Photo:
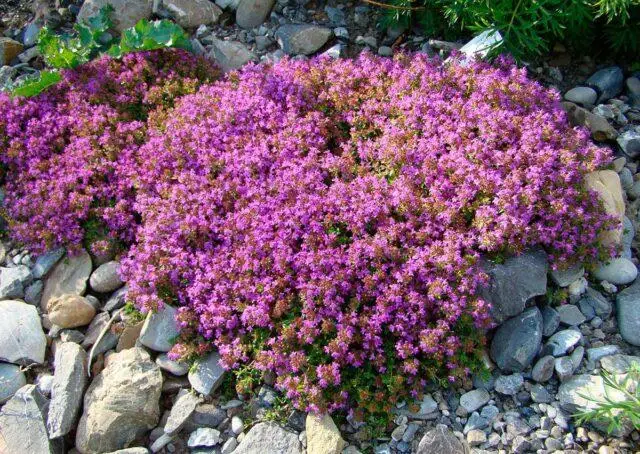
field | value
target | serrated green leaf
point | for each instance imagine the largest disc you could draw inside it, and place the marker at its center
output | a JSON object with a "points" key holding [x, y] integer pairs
{"points": [[35, 85]]}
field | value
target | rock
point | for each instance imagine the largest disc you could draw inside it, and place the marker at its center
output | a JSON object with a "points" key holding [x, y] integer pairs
{"points": [[129, 337], [22, 424], [607, 82], [46, 261], [69, 276], [480, 45], [174, 367], [302, 39], [69, 381], [13, 280], [571, 392], [618, 364], [597, 353], [514, 283], [181, 411], [385, 51], [22, 340], [70, 311], [323, 437], [593, 304], [9, 49], [126, 12], [550, 321], [563, 367], [440, 440], [576, 357], [539, 394], [230, 55], [160, 329], [251, 13], [543, 369], [628, 313], [206, 374], [108, 341], [600, 128], [206, 415], [561, 342], [629, 142], [581, 95], [229, 446], [11, 380], [619, 271], [237, 426], [606, 183], [131, 451], [106, 278], [269, 438], [231, 5], [192, 13], [426, 411], [33, 293], [121, 403], [517, 341], [509, 385], [205, 436], [564, 277], [117, 300], [474, 399], [570, 315], [476, 437]]}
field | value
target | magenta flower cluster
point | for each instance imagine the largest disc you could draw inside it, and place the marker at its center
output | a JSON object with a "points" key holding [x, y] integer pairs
{"points": [[320, 220]]}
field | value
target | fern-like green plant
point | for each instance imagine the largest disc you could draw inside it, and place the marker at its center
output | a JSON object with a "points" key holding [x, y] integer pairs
{"points": [[616, 412]]}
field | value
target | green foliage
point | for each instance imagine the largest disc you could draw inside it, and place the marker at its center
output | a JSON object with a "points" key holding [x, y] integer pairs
{"points": [[279, 411], [616, 412], [35, 84], [147, 35], [132, 313], [528, 28]]}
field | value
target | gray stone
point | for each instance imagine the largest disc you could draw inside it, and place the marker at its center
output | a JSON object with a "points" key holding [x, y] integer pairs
{"points": [[160, 329], [205, 436], [205, 415], [629, 142], [69, 381], [440, 440], [69, 276], [597, 353], [33, 293], [108, 341], [426, 411], [514, 283], [117, 300], [626, 178], [576, 357], [593, 304], [269, 438], [517, 341], [509, 385], [22, 424], [121, 404], [561, 342], [13, 280], [174, 367], [474, 399], [181, 411], [46, 261], [628, 313], [192, 13], [564, 277], [475, 421], [539, 394], [619, 271], [563, 367], [160, 442], [251, 13], [230, 55], [229, 446], [22, 340], [11, 380], [570, 315], [336, 16], [302, 39], [131, 451], [126, 12], [106, 278], [618, 364], [30, 34], [550, 321], [581, 95], [206, 374], [607, 82]]}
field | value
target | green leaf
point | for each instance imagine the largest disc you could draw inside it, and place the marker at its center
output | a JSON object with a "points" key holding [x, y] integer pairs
{"points": [[36, 84]]}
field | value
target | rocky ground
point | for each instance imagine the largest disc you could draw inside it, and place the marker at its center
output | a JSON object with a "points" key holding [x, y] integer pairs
{"points": [[80, 372]]}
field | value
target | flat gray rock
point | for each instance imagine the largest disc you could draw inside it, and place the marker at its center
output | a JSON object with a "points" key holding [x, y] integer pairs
{"points": [[230, 55], [561, 342], [581, 95], [106, 278], [629, 142], [192, 13], [69, 381], [173, 367], [593, 304], [474, 399], [22, 424], [46, 261], [550, 320], [269, 438], [570, 315], [117, 300], [628, 313], [302, 39], [517, 341], [206, 374], [22, 340], [13, 281], [160, 329], [11, 380], [126, 12], [564, 277], [251, 13], [514, 283], [543, 369], [181, 411], [440, 440], [607, 82], [69, 276], [107, 342], [618, 271]]}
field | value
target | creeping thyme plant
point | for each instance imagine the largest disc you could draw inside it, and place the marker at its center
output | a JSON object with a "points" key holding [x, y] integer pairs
{"points": [[320, 221]]}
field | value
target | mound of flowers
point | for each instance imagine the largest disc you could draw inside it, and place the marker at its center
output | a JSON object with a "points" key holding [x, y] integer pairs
{"points": [[321, 220]]}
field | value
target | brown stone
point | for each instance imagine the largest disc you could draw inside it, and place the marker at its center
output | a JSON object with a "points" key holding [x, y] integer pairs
{"points": [[606, 183], [70, 311], [9, 49]]}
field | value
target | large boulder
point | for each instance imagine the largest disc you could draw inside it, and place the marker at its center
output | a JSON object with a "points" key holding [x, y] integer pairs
{"points": [[251, 13], [323, 437], [22, 340], [514, 283], [69, 381], [606, 184], [22, 424], [126, 12], [193, 13], [69, 276], [70, 311], [628, 312], [121, 404], [269, 438], [440, 440], [517, 341]]}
